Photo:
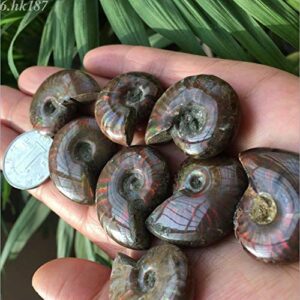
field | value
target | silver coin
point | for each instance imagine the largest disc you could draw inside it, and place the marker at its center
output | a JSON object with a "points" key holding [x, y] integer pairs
{"points": [[25, 164]]}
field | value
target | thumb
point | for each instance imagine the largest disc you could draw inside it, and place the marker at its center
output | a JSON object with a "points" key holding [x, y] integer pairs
{"points": [[71, 278]]}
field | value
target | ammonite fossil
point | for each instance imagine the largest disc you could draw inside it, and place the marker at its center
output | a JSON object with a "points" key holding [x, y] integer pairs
{"points": [[201, 209], [162, 273], [267, 217], [77, 155], [200, 113], [125, 103], [130, 186], [56, 101]]}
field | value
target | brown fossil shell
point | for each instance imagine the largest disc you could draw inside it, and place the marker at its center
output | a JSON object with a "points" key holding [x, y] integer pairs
{"points": [[267, 217], [201, 209], [125, 103], [77, 155], [58, 99], [130, 186], [200, 113], [161, 273]]}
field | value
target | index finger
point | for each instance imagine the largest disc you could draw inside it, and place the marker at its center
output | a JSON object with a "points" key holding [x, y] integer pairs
{"points": [[267, 94]]}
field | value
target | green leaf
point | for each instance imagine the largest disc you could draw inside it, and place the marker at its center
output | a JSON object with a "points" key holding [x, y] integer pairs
{"points": [[158, 41], [47, 40], [246, 30], [295, 4], [64, 239], [5, 192], [218, 39], [30, 219], [86, 25], [27, 19], [102, 257], [164, 18], [10, 20], [125, 22], [275, 15], [64, 41], [294, 59], [84, 247]]}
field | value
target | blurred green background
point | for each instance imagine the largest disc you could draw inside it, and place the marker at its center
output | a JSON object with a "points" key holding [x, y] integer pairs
{"points": [[60, 32]]}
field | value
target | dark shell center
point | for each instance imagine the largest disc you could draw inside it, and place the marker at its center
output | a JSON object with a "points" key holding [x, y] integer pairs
{"points": [[147, 281], [195, 182], [83, 151], [263, 210], [49, 108], [132, 183], [133, 95], [191, 120]]}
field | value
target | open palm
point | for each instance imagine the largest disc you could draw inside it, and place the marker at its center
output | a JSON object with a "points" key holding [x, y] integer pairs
{"points": [[270, 118]]}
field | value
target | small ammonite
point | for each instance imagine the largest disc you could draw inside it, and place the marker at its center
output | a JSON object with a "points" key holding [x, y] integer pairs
{"points": [[267, 217], [77, 155], [130, 186], [58, 98], [200, 113], [125, 104], [201, 209], [162, 273]]}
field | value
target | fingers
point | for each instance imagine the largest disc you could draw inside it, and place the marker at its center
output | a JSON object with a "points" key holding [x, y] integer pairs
{"points": [[15, 109], [245, 277], [31, 78], [7, 136], [83, 218], [170, 66], [71, 278], [267, 94]]}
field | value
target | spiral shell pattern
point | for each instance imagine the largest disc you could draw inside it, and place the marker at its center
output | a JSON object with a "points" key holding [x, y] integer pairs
{"points": [[77, 155], [130, 186], [161, 273], [57, 100], [200, 113], [201, 209], [267, 217], [125, 103]]}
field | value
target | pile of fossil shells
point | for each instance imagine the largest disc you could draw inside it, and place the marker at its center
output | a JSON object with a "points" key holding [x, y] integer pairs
{"points": [[92, 161]]}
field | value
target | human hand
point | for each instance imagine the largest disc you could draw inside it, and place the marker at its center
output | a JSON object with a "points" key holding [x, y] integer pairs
{"points": [[270, 118]]}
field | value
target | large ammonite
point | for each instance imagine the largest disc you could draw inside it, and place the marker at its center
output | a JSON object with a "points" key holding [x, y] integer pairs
{"points": [[130, 186], [162, 273], [78, 154], [200, 113], [124, 105], [58, 99], [267, 217], [201, 209]]}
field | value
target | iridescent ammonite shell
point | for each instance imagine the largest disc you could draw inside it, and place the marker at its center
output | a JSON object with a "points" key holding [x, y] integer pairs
{"points": [[126, 103], [200, 113], [162, 273], [130, 186], [58, 98], [77, 155], [201, 209], [267, 217]]}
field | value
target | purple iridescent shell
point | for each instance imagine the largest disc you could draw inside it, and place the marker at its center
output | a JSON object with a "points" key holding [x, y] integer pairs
{"points": [[77, 155], [125, 104], [162, 273], [130, 186], [200, 113], [201, 209], [57, 100], [267, 217]]}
